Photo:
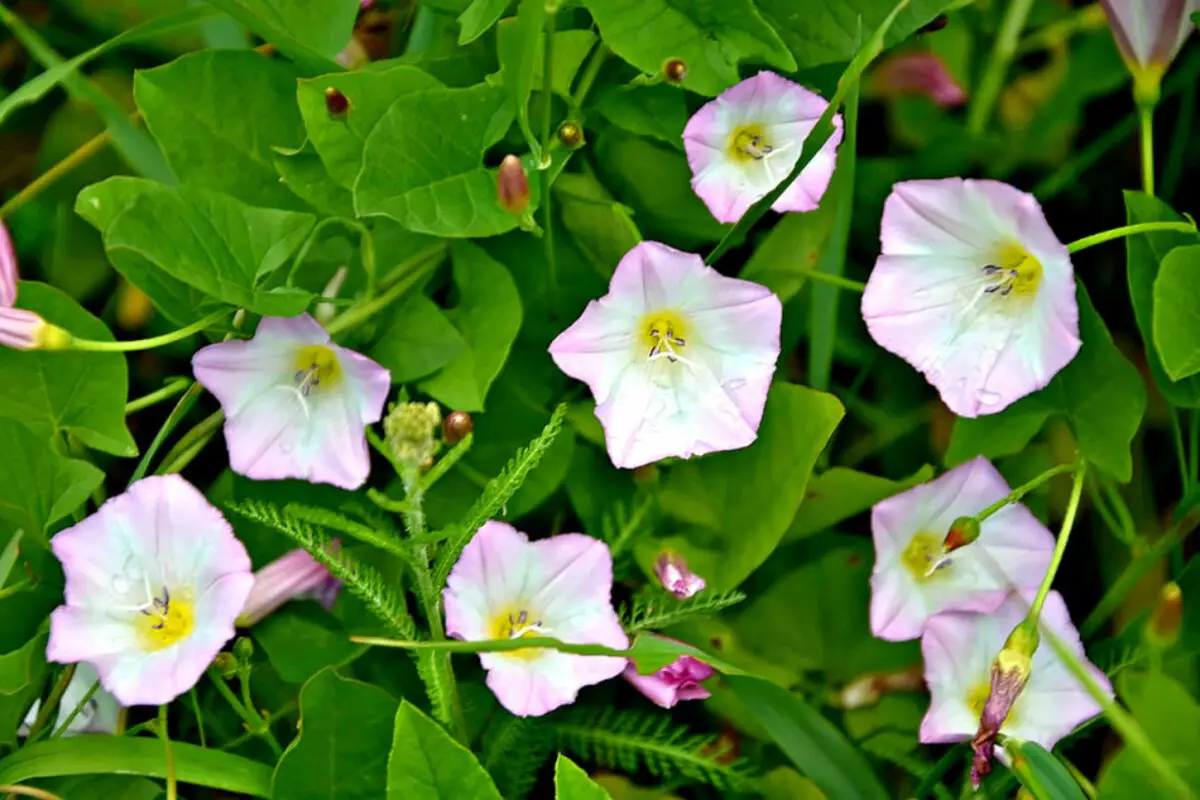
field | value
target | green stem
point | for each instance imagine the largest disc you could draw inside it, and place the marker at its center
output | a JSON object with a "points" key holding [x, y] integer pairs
{"points": [[544, 167], [413, 271], [382, 448], [1180, 452], [495, 645], [1146, 117], [66, 723], [190, 444], [16, 588], [590, 73], [148, 344], [1003, 50], [1194, 445], [446, 462], [1022, 490], [46, 712], [172, 788], [366, 245], [254, 721], [47, 178], [199, 716], [177, 414], [833, 280], [166, 393], [1060, 547], [1128, 230]]}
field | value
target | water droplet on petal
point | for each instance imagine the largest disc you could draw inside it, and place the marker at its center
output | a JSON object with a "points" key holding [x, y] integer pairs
{"points": [[987, 398], [120, 584]]}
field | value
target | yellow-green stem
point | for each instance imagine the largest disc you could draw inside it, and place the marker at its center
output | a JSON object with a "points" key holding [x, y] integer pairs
{"points": [[1060, 547], [1016, 494], [544, 167], [1003, 50], [1146, 117], [172, 787], [82, 154], [1128, 230], [48, 709], [413, 272], [66, 723], [148, 344], [166, 393]]}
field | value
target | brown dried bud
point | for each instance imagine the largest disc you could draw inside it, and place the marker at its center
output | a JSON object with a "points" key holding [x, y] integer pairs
{"points": [[963, 531], [675, 70], [1010, 673], [336, 103], [1162, 629], [512, 187], [456, 426], [570, 134]]}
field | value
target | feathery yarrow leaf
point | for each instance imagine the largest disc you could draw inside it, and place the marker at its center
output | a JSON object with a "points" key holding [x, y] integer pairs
{"points": [[514, 749], [656, 608]]}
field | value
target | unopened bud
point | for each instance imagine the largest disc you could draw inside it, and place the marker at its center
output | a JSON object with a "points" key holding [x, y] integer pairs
{"points": [[675, 70], [336, 103], [672, 572], [1010, 673], [243, 650], [1162, 629], [410, 429], [963, 531], [512, 187], [26, 330], [570, 134], [456, 427], [227, 664]]}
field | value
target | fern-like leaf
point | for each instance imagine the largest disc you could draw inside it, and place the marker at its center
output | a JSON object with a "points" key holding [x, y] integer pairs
{"points": [[343, 524], [631, 740], [360, 579], [514, 749], [499, 490], [657, 609]]}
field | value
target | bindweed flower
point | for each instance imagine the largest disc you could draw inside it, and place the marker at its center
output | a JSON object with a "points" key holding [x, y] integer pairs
{"points": [[97, 715], [915, 578], [678, 357], [21, 329], [917, 73], [295, 403], [507, 587], [154, 581], [960, 652], [1149, 34], [680, 680], [672, 571], [295, 574], [974, 290], [742, 144]]}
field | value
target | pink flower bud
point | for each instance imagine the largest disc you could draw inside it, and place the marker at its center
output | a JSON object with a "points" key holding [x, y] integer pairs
{"points": [[680, 680], [672, 571], [1149, 32], [917, 73], [25, 330], [8, 270], [293, 575], [512, 187]]}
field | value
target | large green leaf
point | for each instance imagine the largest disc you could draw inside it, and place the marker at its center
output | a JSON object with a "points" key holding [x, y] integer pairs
{"points": [[427, 764], [602, 227], [199, 109], [792, 248], [1100, 394], [422, 164], [56, 392], [659, 111], [841, 493], [711, 37], [186, 248], [1170, 717], [812, 743], [418, 341], [342, 749], [1177, 312], [305, 174], [740, 503], [488, 316], [517, 46], [100, 755], [309, 33], [572, 783], [479, 17], [38, 487], [1144, 255], [827, 32], [301, 639], [21, 675]]}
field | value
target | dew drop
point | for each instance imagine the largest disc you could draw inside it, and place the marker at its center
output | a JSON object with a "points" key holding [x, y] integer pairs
{"points": [[120, 584], [987, 398]]}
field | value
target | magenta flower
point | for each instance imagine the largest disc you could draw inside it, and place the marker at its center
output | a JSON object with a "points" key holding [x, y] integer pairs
{"points": [[295, 403], [913, 580], [974, 290], [19, 329], [680, 680], [918, 73], [678, 357], [295, 574], [155, 579], [742, 144], [507, 587], [959, 649], [672, 571], [1149, 33]]}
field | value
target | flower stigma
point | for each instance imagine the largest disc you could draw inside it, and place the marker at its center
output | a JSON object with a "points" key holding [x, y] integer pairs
{"points": [[316, 366], [164, 622], [519, 624], [1015, 272], [749, 143], [664, 334]]}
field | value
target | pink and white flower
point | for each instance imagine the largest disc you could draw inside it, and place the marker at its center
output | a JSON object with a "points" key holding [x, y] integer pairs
{"points": [[154, 581], [974, 290], [19, 329], [917, 73], [507, 587], [678, 356], [294, 575], [913, 579], [743, 143], [679, 680], [1149, 33], [672, 571], [959, 649], [295, 403]]}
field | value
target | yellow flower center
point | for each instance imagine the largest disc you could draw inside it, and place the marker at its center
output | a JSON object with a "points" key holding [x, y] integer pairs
{"points": [[749, 143], [977, 699], [165, 623], [664, 334], [518, 623], [922, 552], [1015, 272], [316, 366]]}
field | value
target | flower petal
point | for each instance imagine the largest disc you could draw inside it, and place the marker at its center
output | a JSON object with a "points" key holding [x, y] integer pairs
{"points": [[8, 270], [530, 688]]}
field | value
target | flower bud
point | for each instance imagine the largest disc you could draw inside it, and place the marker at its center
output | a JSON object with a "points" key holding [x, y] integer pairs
{"points": [[679, 680], [456, 427], [293, 575], [1010, 673], [1149, 34], [675, 70], [1162, 629], [336, 103], [916, 74], [673, 573], [26, 330], [570, 134], [243, 650], [227, 664], [963, 531], [410, 429], [512, 187], [8, 269]]}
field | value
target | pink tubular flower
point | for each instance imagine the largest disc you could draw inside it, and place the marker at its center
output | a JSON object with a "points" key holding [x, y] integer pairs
{"points": [[678, 357], [959, 649], [295, 574], [1149, 33], [672, 571], [974, 290], [918, 73], [680, 680], [295, 403], [507, 587], [155, 579], [913, 580], [19, 329], [742, 144]]}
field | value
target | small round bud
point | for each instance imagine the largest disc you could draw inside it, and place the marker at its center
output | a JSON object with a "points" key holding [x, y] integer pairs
{"points": [[336, 103], [456, 426], [675, 70], [963, 531], [1165, 621], [512, 187], [570, 134], [243, 649], [227, 664]]}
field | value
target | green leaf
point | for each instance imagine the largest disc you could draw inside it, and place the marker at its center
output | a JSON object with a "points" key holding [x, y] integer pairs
{"points": [[419, 341], [824, 33], [342, 748], [488, 316], [427, 764], [659, 111], [57, 392], [841, 493], [570, 49], [422, 164], [180, 245], [104, 787], [479, 17], [197, 108], [711, 36], [740, 503], [517, 47], [1144, 255], [602, 227], [1170, 717], [1040, 773], [311, 34], [792, 248], [340, 140], [304, 173], [812, 743], [38, 487], [651, 653], [572, 783], [1100, 394], [99, 755], [301, 639], [1177, 312], [22, 672]]}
